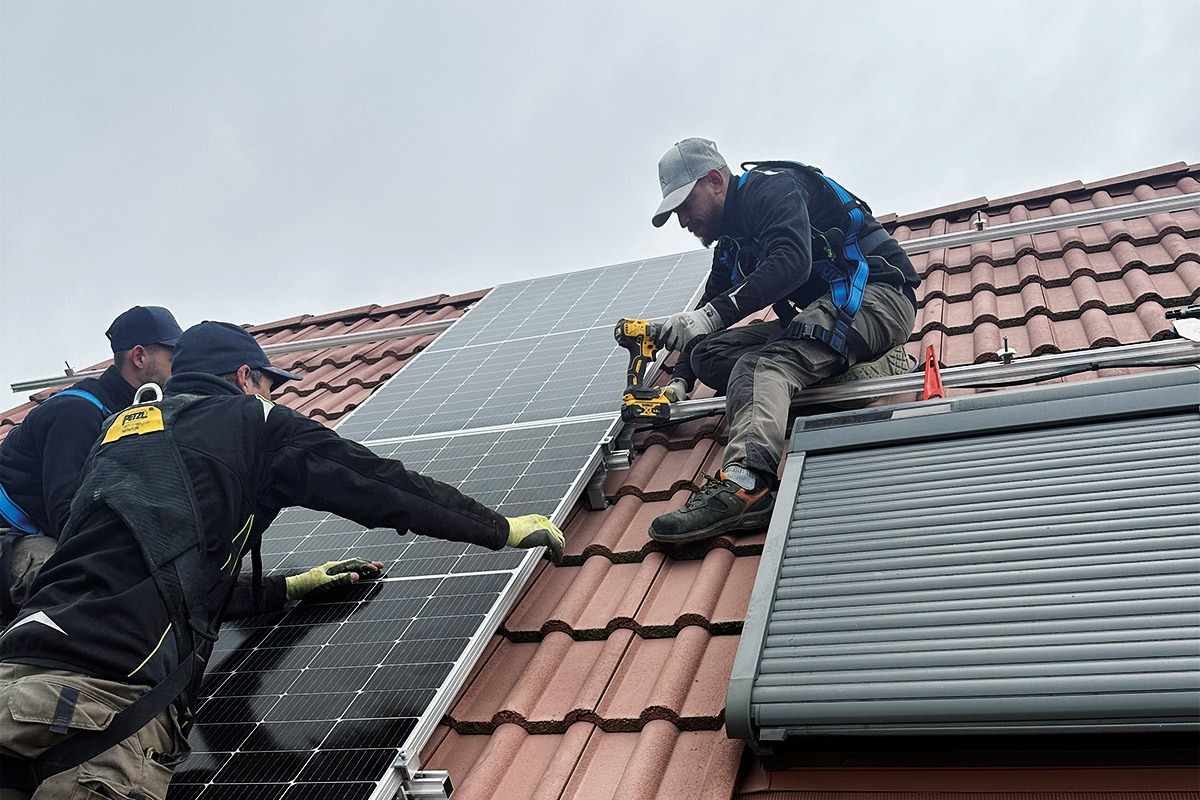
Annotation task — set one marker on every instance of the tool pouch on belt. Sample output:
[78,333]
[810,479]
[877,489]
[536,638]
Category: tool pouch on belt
[137,458]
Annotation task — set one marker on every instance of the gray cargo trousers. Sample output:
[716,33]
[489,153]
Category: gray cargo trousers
[39,707]
[761,368]
[25,556]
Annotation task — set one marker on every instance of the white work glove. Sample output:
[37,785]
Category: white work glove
[681,328]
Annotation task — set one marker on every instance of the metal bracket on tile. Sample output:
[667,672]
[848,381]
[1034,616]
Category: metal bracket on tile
[610,458]
[410,782]
[595,491]
[428,784]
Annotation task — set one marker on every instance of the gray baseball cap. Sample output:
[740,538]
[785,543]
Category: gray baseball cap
[684,164]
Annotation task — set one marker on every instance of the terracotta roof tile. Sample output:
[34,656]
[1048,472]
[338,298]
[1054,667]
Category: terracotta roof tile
[588,601]
[543,686]
[658,763]
[681,679]
[712,592]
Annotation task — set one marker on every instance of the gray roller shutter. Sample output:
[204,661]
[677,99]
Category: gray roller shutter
[1017,562]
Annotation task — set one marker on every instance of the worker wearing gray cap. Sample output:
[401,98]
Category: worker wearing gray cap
[788,238]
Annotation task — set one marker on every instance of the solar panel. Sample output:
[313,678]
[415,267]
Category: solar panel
[593,298]
[529,351]
[512,405]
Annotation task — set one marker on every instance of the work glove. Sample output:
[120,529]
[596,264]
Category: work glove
[534,530]
[681,328]
[328,575]
[676,390]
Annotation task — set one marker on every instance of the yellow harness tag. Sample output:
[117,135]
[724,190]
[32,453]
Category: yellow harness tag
[134,422]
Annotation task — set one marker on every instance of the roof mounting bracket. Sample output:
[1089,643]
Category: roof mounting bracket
[410,782]
[614,454]
[427,784]
[595,490]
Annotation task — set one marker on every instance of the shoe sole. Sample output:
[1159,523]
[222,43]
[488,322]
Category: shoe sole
[755,519]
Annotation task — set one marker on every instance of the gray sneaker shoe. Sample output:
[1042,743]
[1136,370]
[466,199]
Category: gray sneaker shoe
[719,506]
[894,362]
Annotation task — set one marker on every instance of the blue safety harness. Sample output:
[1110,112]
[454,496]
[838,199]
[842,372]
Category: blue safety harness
[847,277]
[12,513]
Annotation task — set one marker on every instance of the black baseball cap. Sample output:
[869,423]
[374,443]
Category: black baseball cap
[219,348]
[144,325]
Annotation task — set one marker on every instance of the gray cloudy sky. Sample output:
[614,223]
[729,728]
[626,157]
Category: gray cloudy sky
[253,161]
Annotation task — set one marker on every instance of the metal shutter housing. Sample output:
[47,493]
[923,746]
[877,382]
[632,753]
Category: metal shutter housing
[1013,562]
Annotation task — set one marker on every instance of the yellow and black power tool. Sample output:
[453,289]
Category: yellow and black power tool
[641,403]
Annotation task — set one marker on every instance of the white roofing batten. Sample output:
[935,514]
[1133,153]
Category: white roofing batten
[294,346]
[1075,219]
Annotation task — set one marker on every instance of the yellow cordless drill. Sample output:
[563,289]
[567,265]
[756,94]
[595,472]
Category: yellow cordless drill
[641,403]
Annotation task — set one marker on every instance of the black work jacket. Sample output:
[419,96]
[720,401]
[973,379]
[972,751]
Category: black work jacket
[773,227]
[246,459]
[40,459]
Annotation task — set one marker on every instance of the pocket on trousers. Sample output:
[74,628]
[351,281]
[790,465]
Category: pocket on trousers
[151,785]
[35,700]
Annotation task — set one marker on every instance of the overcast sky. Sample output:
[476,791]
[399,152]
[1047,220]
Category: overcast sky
[250,161]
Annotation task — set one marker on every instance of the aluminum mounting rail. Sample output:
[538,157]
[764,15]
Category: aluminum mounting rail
[295,346]
[1074,219]
[1147,354]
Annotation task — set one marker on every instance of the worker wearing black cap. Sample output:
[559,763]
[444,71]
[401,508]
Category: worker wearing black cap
[176,492]
[40,459]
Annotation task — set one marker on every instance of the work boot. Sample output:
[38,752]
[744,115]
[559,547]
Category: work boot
[719,506]
[894,362]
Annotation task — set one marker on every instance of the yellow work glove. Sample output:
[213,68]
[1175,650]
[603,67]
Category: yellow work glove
[329,575]
[534,530]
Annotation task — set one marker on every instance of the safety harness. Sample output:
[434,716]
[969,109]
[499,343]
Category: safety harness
[137,458]
[21,522]
[846,276]
[13,514]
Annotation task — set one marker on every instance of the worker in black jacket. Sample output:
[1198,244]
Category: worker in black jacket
[788,238]
[41,459]
[175,493]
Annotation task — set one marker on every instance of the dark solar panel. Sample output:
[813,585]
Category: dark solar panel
[327,714]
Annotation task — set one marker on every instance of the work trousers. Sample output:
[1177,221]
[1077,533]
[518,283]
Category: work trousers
[36,707]
[761,368]
[25,556]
